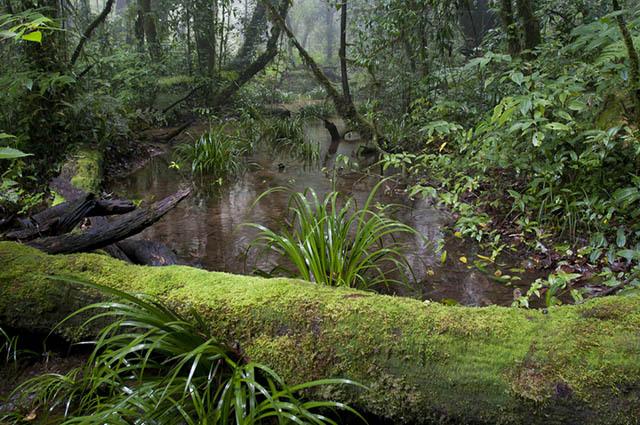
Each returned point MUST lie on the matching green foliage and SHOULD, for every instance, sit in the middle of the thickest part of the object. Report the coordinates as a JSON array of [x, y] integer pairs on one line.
[[28, 26], [550, 289], [8, 348], [332, 242], [286, 136], [155, 365], [216, 155]]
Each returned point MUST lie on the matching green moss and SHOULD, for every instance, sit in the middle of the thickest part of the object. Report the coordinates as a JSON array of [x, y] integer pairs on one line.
[[421, 361], [87, 173]]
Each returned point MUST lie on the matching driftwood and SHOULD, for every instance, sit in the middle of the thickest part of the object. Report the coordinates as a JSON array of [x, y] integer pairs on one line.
[[65, 217], [97, 237], [148, 253]]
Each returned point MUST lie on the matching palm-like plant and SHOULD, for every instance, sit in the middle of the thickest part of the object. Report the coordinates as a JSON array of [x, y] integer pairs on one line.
[[151, 365], [337, 245]]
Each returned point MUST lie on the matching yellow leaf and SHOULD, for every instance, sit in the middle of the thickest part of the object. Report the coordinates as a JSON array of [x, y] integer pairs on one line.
[[463, 260], [442, 146], [458, 234]]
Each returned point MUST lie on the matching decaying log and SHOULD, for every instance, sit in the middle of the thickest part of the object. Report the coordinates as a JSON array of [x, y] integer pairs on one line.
[[148, 253], [116, 252], [422, 363], [65, 217], [124, 226]]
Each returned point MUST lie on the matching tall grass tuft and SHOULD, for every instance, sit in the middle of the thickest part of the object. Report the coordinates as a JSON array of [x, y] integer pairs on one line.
[[336, 244], [8, 348], [151, 365], [286, 136], [217, 154]]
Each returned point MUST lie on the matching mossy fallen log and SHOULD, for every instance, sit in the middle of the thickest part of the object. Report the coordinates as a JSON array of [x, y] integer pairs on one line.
[[423, 362]]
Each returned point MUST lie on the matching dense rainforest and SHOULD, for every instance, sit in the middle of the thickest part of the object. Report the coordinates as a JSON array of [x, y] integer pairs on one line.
[[319, 211]]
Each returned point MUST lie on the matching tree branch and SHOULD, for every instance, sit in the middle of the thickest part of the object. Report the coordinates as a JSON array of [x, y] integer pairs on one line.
[[87, 33]]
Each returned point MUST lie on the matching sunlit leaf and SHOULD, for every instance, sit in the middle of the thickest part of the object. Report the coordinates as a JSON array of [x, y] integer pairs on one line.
[[35, 36]]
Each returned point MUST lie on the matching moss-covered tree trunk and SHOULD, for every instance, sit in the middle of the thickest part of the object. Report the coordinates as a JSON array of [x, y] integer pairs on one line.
[[421, 361]]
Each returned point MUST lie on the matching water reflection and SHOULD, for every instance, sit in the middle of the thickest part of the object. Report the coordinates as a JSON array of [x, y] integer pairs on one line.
[[206, 229]]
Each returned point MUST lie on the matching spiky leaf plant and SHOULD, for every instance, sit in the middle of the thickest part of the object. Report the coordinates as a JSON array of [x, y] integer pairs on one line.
[[332, 242], [152, 365]]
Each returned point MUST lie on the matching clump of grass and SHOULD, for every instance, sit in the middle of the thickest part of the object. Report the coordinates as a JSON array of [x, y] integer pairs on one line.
[[151, 365], [286, 136], [8, 348], [334, 243], [217, 154], [322, 110]]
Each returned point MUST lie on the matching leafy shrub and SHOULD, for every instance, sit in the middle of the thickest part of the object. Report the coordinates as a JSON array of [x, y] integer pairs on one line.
[[332, 242], [152, 365]]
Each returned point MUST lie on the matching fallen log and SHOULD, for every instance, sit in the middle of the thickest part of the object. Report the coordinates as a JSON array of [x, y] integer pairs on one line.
[[148, 253], [65, 217], [422, 362], [124, 226]]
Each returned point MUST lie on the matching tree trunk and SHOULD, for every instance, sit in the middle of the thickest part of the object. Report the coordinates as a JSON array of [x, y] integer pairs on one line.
[[253, 36], [205, 35], [422, 362], [150, 30], [634, 63], [259, 63], [510, 27], [346, 92], [530, 25]]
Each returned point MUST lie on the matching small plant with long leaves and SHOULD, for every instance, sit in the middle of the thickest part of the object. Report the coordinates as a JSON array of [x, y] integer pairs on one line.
[[216, 155], [332, 242], [152, 365], [286, 136]]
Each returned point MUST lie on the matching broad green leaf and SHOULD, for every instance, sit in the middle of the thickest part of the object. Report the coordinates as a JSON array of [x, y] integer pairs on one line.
[[517, 77], [576, 105], [35, 36], [628, 254], [558, 126], [10, 153], [621, 238], [538, 138]]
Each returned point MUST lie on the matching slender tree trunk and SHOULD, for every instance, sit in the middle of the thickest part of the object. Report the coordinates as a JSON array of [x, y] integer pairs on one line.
[[346, 92], [329, 28], [530, 24], [510, 27], [634, 63]]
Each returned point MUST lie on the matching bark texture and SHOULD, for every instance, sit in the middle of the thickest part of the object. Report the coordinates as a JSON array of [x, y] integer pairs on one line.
[[422, 362]]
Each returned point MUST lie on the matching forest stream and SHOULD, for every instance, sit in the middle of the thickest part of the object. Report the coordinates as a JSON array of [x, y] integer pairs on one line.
[[207, 229]]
